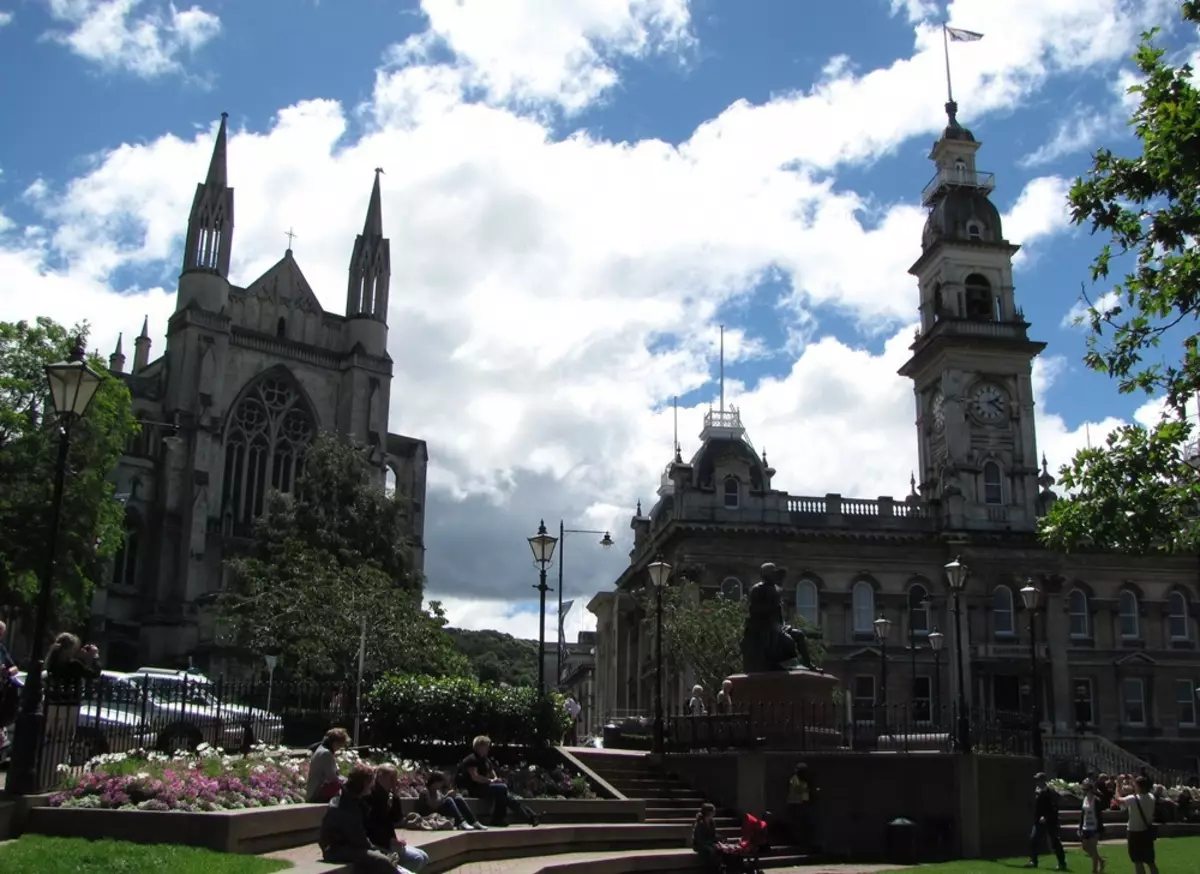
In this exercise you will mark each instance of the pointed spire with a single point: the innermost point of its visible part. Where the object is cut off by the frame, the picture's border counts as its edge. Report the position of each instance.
(373, 226)
(141, 347)
(639, 508)
(217, 168)
(116, 361)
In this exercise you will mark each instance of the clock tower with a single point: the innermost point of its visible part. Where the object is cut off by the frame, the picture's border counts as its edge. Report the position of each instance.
(972, 361)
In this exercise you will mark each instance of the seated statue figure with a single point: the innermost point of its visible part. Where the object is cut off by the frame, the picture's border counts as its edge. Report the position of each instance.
(769, 643)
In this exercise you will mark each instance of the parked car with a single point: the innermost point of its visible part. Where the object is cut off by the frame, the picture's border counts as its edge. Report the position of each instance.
(184, 711)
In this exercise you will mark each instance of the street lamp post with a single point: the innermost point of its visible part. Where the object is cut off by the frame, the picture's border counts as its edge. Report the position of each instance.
(936, 641)
(956, 575)
(659, 572)
(606, 541)
(542, 545)
(1032, 597)
(72, 386)
(883, 627)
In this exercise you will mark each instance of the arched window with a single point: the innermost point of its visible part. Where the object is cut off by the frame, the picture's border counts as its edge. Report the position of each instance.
(918, 609)
(389, 482)
(863, 598)
(1080, 617)
(974, 231)
(731, 589)
(960, 169)
(1177, 617)
(732, 493)
(807, 603)
(993, 485)
(1127, 613)
(979, 298)
(125, 565)
(268, 432)
(1002, 611)
(281, 327)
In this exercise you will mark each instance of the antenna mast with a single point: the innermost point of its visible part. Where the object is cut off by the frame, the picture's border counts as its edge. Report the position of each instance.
(675, 407)
(722, 370)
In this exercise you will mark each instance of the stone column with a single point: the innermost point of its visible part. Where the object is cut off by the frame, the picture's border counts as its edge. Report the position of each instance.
(1056, 633)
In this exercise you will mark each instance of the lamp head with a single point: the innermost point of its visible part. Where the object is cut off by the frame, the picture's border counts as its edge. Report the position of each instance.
(542, 545)
(1031, 595)
(956, 574)
(606, 541)
(936, 640)
(659, 572)
(883, 627)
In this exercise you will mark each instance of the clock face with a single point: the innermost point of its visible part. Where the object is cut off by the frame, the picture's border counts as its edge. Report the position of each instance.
(937, 407)
(988, 404)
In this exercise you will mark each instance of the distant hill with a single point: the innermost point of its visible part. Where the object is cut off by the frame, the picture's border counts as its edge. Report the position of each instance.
(498, 657)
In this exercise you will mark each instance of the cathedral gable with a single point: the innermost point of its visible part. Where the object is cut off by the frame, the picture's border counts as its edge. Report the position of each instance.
(285, 283)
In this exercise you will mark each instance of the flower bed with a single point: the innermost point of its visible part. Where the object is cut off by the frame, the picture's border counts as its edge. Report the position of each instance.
(209, 780)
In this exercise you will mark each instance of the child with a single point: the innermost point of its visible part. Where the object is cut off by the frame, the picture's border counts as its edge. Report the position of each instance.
(799, 802)
(704, 837)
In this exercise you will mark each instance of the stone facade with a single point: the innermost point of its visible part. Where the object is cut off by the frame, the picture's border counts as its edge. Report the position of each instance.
(248, 377)
(1116, 634)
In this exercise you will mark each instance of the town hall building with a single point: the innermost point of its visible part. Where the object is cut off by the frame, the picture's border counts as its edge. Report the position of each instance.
(248, 377)
(1117, 634)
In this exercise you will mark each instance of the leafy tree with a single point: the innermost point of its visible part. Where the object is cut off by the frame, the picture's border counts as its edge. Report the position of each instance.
(92, 521)
(497, 657)
(326, 560)
(1138, 492)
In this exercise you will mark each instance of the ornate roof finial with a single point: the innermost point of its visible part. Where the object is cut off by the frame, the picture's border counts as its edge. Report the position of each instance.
(291, 235)
(639, 507)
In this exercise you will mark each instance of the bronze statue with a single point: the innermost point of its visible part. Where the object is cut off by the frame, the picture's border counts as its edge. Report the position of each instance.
(769, 643)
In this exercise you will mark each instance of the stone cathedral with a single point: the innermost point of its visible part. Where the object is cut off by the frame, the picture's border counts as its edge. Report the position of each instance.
(248, 377)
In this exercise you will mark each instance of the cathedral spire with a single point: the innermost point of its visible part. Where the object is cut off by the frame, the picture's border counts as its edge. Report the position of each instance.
(141, 347)
(370, 264)
(218, 173)
(116, 361)
(210, 223)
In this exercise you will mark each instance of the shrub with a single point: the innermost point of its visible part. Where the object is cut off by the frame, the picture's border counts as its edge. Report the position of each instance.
(408, 710)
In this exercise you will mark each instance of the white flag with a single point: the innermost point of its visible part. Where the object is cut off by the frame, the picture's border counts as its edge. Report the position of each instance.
(957, 35)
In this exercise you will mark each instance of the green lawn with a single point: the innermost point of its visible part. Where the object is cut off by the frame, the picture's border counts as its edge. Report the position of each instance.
(1175, 856)
(78, 856)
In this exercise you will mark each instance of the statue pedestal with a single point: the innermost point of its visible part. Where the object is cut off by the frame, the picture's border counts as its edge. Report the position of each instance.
(789, 709)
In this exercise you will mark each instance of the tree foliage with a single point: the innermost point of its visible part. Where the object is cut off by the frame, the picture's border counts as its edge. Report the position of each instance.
(497, 657)
(705, 633)
(92, 521)
(1137, 492)
(327, 559)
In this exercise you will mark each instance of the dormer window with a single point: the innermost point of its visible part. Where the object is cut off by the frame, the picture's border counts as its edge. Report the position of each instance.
(974, 231)
(732, 493)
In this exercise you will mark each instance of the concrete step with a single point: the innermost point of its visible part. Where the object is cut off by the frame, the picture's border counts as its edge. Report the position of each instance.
(689, 801)
(1073, 816)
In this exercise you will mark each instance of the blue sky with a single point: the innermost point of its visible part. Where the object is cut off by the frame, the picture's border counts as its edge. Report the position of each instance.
(577, 194)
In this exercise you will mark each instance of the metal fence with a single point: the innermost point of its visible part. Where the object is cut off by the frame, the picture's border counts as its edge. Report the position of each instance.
(169, 712)
(813, 726)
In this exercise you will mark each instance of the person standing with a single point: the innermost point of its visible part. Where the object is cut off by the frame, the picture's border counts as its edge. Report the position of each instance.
(1137, 798)
(1045, 823)
(799, 802)
(695, 705)
(70, 667)
(725, 698)
(1091, 826)
(573, 709)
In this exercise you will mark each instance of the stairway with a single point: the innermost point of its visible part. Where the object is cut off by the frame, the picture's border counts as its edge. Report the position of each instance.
(670, 799)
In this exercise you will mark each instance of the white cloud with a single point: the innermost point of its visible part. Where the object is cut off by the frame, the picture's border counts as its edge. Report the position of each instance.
(1078, 315)
(524, 51)
(144, 37)
(915, 10)
(6, 17)
(550, 295)
(1082, 130)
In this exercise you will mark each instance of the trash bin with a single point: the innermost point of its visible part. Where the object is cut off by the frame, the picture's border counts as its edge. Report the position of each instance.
(612, 735)
(902, 841)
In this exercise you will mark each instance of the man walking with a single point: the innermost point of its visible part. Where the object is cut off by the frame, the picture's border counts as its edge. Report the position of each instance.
(1045, 823)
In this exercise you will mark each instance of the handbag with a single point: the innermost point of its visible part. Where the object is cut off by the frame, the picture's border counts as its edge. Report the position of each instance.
(1151, 828)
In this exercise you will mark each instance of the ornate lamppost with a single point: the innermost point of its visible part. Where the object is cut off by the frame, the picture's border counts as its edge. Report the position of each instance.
(956, 575)
(606, 541)
(72, 386)
(883, 627)
(1032, 596)
(659, 572)
(542, 545)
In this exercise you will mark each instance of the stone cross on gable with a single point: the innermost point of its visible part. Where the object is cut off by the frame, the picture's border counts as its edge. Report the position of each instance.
(291, 235)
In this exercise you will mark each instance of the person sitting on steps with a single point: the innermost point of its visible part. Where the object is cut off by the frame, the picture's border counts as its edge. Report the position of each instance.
(478, 777)
(343, 838)
(384, 815)
(439, 797)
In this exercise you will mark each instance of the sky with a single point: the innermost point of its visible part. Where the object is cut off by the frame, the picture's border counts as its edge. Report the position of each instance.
(578, 194)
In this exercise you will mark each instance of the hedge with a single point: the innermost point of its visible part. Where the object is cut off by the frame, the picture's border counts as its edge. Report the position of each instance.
(417, 710)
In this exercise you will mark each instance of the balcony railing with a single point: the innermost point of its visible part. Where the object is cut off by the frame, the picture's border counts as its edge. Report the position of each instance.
(723, 419)
(955, 178)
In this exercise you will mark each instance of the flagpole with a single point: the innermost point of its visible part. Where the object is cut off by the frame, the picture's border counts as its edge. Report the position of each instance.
(946, 52)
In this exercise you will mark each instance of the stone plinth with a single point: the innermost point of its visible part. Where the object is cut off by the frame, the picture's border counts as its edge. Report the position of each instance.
(789, 709)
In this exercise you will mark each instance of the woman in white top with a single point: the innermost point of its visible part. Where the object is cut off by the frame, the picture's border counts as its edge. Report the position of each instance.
(695, 704)
(1091, 825)
(1141, 834)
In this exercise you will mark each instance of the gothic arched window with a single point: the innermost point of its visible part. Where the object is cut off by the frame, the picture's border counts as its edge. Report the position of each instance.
(993, 484)
(125, 564)
(979, 298)
(268, 432)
